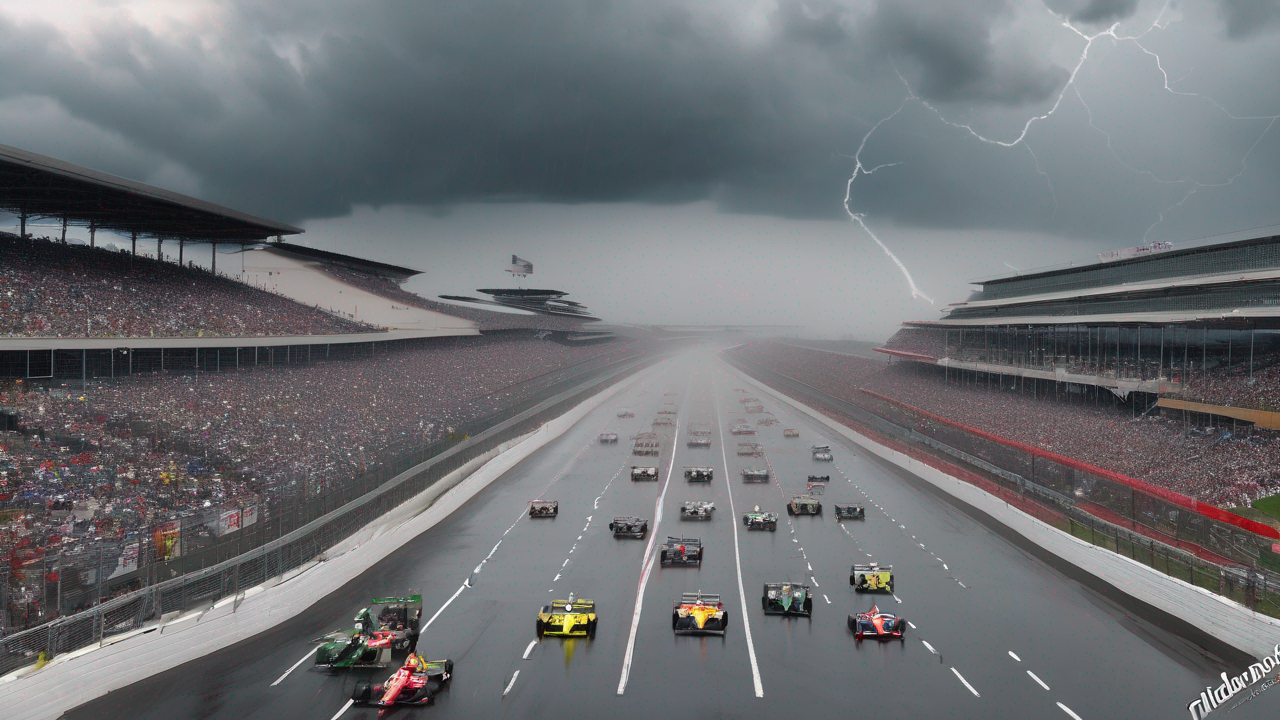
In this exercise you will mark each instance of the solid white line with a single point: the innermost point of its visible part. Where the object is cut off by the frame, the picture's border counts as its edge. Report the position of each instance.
(310, 652)
(646, 569)
(926, 644)
(966, 682)
(1015, 657)
(1067, 710)
(737, 557)
(353, 702)
(1033, 677)
(445, 605)
(532, 645)
(511, 684)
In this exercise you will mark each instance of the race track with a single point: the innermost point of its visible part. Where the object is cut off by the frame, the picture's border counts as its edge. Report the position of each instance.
(995, 632)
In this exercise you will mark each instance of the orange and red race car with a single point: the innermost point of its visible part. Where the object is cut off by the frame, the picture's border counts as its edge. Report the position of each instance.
(877, 625)
(416, 683)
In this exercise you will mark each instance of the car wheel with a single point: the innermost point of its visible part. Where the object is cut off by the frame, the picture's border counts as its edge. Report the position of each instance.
(675, 620)
(791, 510)
(773, 527)
(808, 606)
(591, 629)
(724, 622)
(362, 693)
(889, 586)
(540, 628)
(764, 604)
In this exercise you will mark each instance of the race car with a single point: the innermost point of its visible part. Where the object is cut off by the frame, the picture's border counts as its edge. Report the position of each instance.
(626, 414)
(386, 624)
(698, 474)
(821, 453)
(877, 625)
(850, 512)
(699, 441)
(699, 613)
(750, 449)
(544, 508)
(819, 478)
(667, 412)
(644, 473)
(767, 422)
(416, 683)
(787, 599)
(742, 429)
(790, 433)
(646, 443)
(663, 421)
(754, 408)
(816, 488)
(681, 551)
(568, 618)
(608, 438)
(757, 520)
(697, 510)
(871, 577)
(752, 474)
(630, 527)
(804, 505)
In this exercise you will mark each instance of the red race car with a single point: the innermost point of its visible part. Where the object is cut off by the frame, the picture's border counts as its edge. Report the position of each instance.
(878, 625)
(416, 683)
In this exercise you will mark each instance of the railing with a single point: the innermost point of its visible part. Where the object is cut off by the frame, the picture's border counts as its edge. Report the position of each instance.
(1155, 527)
(177, 586)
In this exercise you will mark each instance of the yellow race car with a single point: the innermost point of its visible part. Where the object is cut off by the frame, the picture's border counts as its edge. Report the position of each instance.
(568, 618)
(871, 577)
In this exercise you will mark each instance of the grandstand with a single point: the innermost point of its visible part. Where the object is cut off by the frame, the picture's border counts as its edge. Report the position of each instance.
(1190, 331)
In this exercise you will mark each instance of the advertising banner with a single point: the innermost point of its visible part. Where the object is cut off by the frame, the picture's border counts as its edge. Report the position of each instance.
(250, 516)
(520, 266)
(228, 522)
(167, 540)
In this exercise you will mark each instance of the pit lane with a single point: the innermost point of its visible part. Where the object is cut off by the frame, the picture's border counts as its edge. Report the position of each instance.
(995, 632)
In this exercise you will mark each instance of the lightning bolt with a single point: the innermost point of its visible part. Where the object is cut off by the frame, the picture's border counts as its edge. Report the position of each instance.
(1193, 186)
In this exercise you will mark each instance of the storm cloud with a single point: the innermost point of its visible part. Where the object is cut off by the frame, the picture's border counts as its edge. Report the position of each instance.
(305, 109)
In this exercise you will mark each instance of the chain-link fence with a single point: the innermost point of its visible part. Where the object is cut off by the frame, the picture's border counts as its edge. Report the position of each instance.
(1154, 530)
(291, 535)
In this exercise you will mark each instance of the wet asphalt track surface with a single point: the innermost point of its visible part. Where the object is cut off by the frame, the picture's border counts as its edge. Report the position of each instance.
(974, 598)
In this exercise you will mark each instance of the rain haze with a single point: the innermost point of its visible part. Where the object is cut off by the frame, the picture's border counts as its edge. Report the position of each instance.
(703, 148)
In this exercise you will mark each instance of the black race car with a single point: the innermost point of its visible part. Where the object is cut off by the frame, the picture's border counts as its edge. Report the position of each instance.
(757, 520)
(699, 441)
(752, 474)
(697, 510)
(544, 508)
(819, 478)
(850, 512)
(787, 599)
(681, 551)
(698, 474)
(608, 438)
(644, 473)
(629, 527)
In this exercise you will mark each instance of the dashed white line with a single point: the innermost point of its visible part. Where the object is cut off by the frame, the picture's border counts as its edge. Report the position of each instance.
(895, 597)
(532, 645)
(966, 683)
(913, 625)
(809, 566)
(557, 577)
(566, 562)
(944, 566)
(926, 644)
(295, 665)
(812, 578)
(966, 587)
(1038, 680)
(1014, 656)
(353, 702)
(1067, 710)
(511, 684)
(824, 597)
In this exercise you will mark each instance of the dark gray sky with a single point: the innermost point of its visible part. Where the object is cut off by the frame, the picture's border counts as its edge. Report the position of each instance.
(560, 128)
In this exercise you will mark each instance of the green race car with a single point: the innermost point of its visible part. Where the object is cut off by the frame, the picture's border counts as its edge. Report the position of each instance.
(388, 624)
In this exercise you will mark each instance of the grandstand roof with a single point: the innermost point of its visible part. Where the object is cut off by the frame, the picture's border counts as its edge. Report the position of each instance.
(395, 272)
(42, 186)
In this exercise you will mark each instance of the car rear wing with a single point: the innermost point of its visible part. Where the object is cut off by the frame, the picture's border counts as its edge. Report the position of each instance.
(411, 601)
(691, 598)
(696, 542)
(872, 568)
(778, 586)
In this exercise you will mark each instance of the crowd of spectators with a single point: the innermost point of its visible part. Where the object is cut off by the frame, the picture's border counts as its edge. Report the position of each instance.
(127, 454)
(484, 319)
(928, 341)
(1254, 385)
(1217, 465)
(48, 289)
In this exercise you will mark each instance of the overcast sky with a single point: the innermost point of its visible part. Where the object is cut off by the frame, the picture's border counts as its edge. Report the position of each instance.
(674, 161)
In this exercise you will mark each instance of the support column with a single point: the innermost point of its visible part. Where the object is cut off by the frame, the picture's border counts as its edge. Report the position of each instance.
(214, 257)
(160, 249)
(181, 242)
(93, 235)
(64, 229)
(22, 224)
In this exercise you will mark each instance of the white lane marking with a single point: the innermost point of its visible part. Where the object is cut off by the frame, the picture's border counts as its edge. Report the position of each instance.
(494, 550)
(1033, 677)
(1014, 656)
(579, 537)
(311, 652)
(1067, 710)
(824, 597)
(895, 597)
(926, 644)
(353, 702)
(810, 567)
(913, 625)
(922, 546)
(944, 566)
(815, 584)
(445, 605)
(966, 683)
(966, 587)
(566, 562)
(646, 569)
(557, 577)
(511, 684)
(737, 560)
(532, 645)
